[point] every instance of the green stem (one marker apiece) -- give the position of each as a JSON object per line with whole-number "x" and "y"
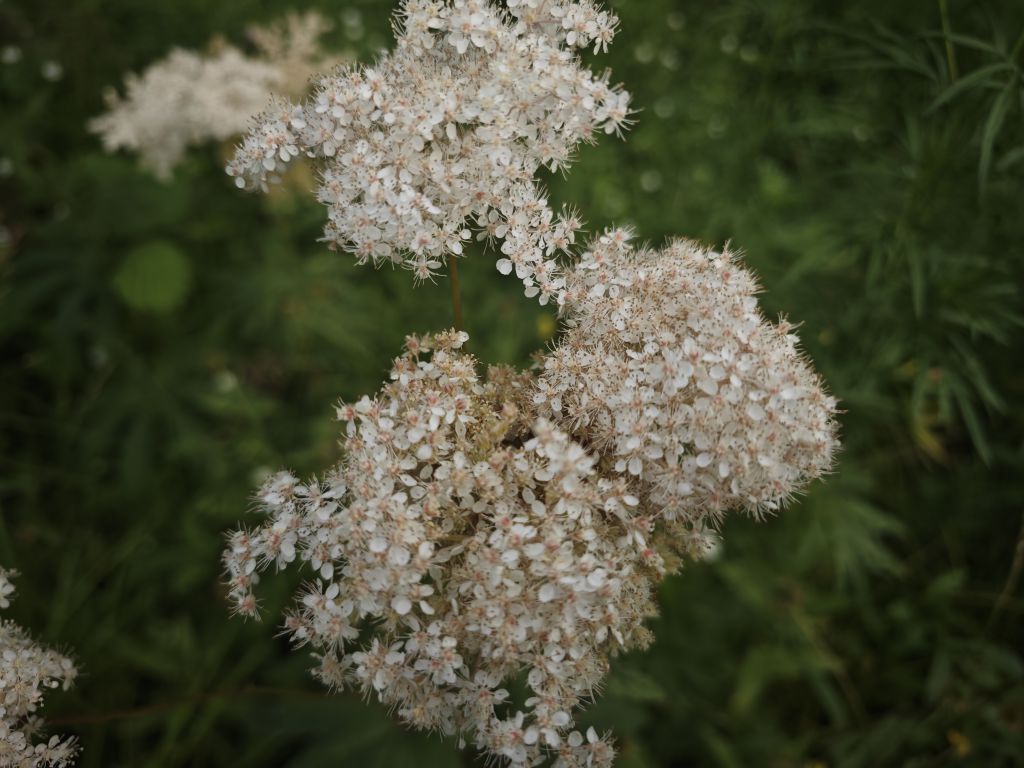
{"x": 453, "y": 268}
{"x": 1018, "y": 46}
{"x": 947, "y": 31}
{"x": 1011, "y": 579}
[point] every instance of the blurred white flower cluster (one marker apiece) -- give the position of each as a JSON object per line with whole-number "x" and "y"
{"x": 190, "y": 98}
{"x": 446, "y": 133}
{"x": 27, "y": 671}
{"x": 487, "y": 543}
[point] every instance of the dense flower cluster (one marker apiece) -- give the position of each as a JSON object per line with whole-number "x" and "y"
{"x": 669, "y": 367}
{"x": 464, "y": 538}
{"x": 27, "y": 671}
{"x": 459, "y": 543}
{"x": 190, "y": 98}
{"x": 486, "y": 535}
{"x": 447, "y": 131}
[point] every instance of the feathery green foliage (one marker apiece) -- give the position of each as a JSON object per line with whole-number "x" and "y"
{"x": 165, "y": 343}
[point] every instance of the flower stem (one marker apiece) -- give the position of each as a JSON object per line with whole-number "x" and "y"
{"x": 947, "y": 32}
{"x": 1016, "y": 567}
{"x": 1017, "y": 47}
{"x": 453, "y": 269}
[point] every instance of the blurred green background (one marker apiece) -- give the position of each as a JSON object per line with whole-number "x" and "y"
{"x": 166, "y": 343}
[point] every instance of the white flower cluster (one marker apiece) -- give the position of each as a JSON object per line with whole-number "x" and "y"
{"x": 486, "y": 536}
{"x": 189, "y": 98}
{"x": 459, "y": 545}
{"x": 27, "y": 671}
{"x": 447, "y": 132}
{"x": 669, "y": 368}
{"x": 466, "y": 541}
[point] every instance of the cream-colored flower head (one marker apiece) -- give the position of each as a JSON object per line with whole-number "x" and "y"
{"x": 476, "y": 530}
{"x": 460, "y": 543}
{"x": 445, "y": 134}
{"x": 27, "y": 672}
{"x": 189, "y": 98}
{"x": 513, "y": 527}
{"x": 669, "y": 369}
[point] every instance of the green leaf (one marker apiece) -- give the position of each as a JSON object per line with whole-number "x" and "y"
{"x": 767, "y": 664}
{"x": 635, "y": 685}
{"x": 154, "y": 277}
{"x": 1011, "y": 158}
{"x": 991, "y": 132}
{"x": 978, "y": 77}
{"x": 855, "y": 536}
{"x": 971, "y": 419}
{"x": 723, "y": 752}
{"x": 917, "y": 282}
{"x": 938, "y": 675}
{"x": 946, "y": 584}
{"x": 968, "y": 42}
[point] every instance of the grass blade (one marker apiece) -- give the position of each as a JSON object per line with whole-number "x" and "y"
{"x": 993, "y": 125}
{"x": 978, "y": 77}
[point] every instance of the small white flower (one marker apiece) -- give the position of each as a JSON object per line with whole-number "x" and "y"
{"x": 52, "y": 71}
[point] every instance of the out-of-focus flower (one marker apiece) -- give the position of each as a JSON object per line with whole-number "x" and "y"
{"x": 189, "y": 98}
{"x": 52, "y": 71}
